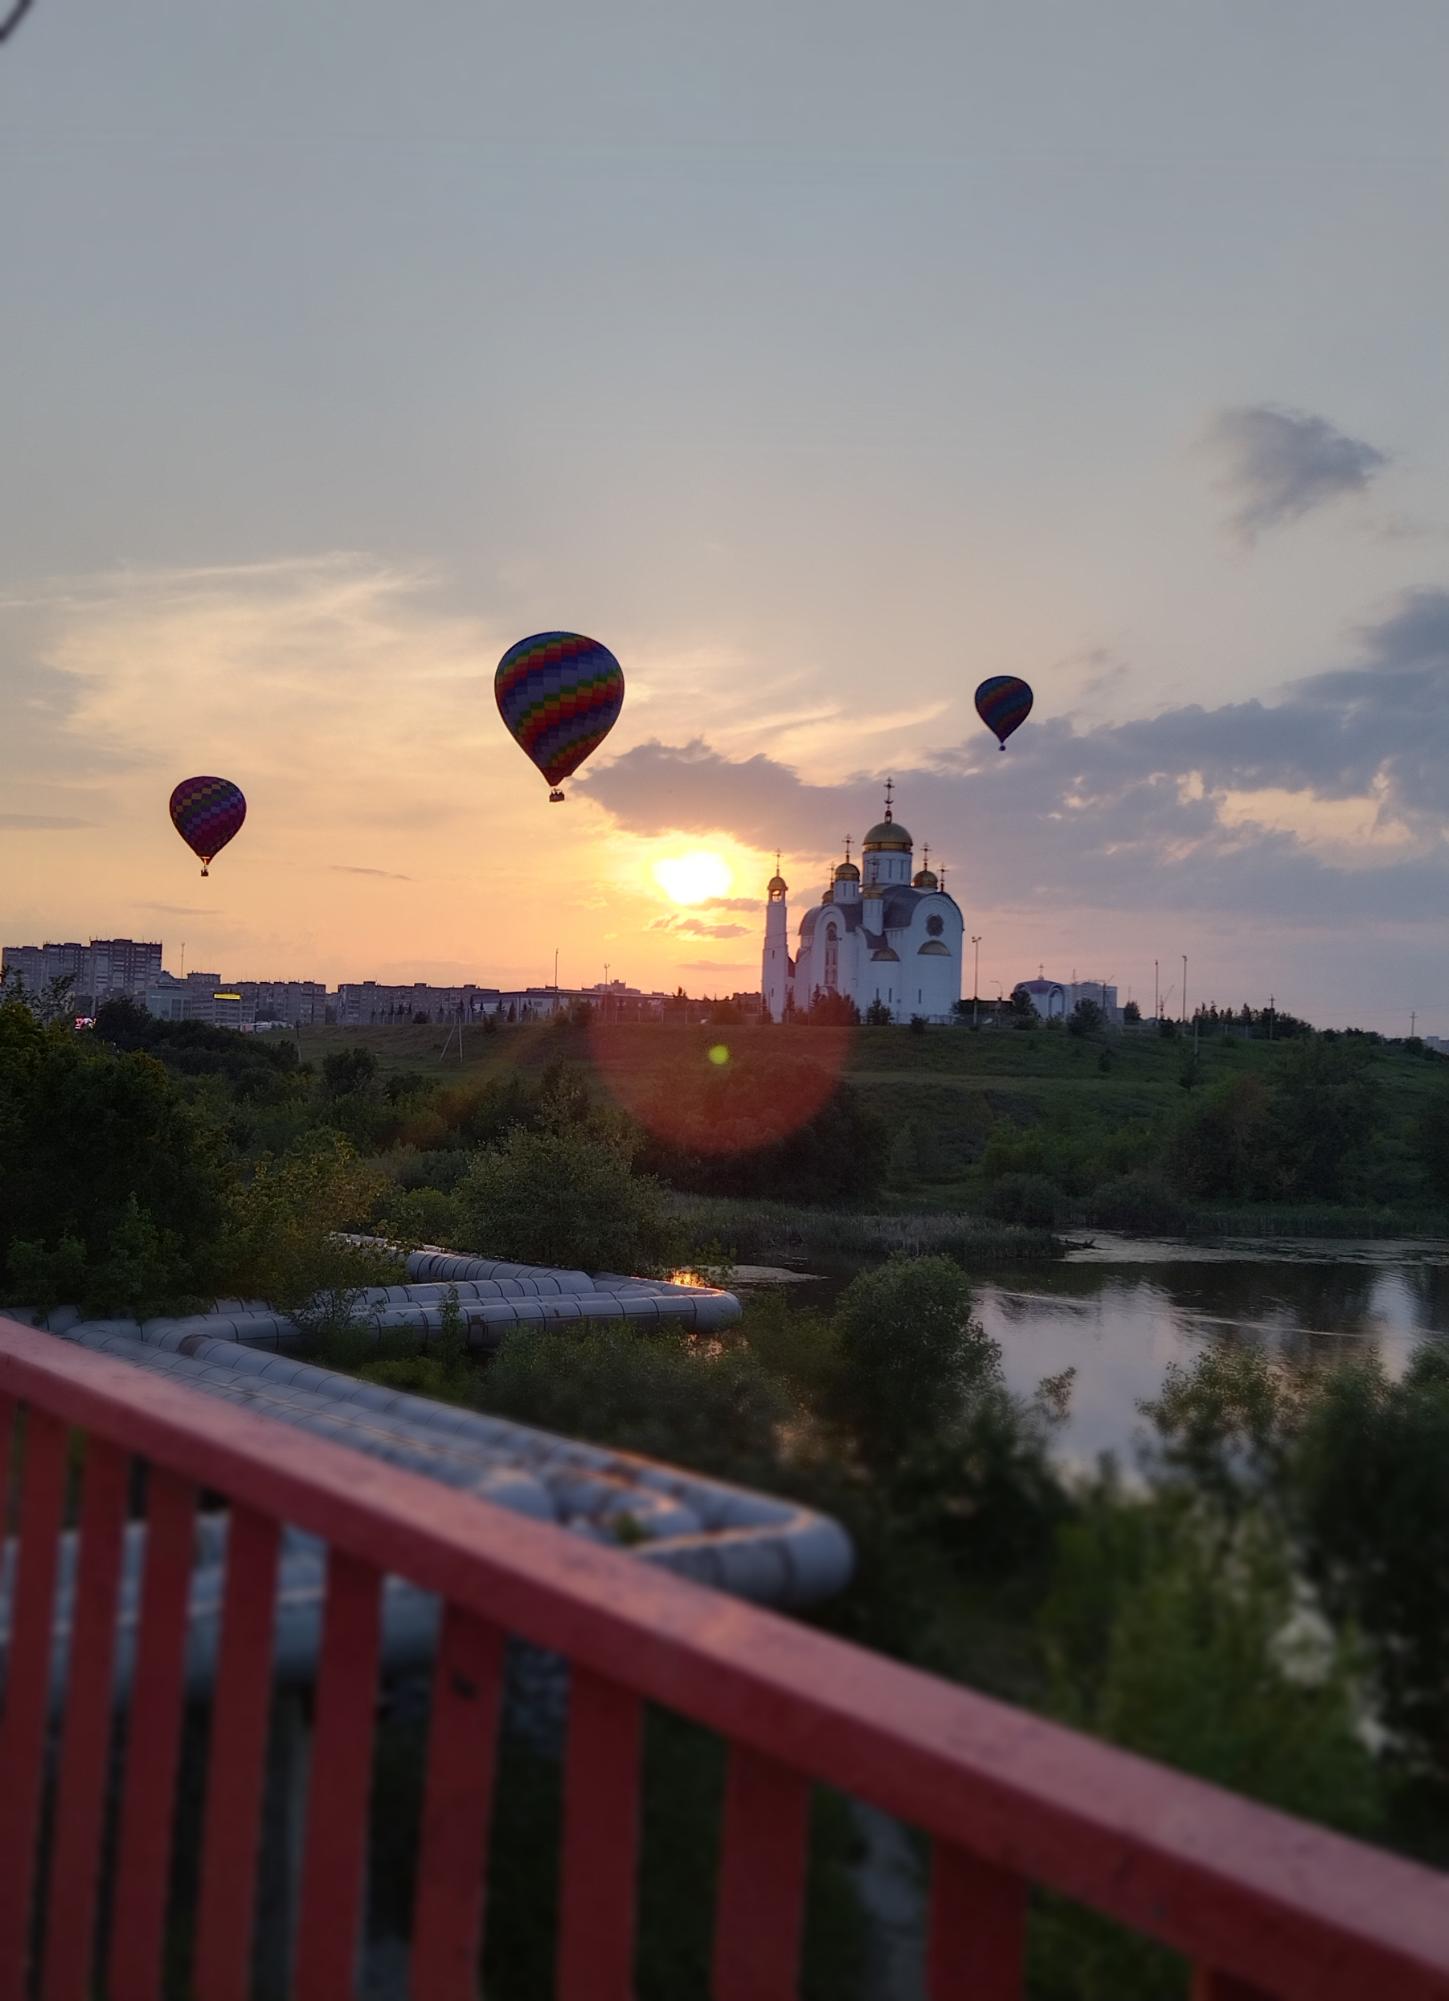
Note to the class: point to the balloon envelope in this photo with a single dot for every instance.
(560, 695)
(1003, 704)
(207, 813)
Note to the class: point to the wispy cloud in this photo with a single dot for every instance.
(1282, 464)
(695, 927)
(46, 822)
(387, 874)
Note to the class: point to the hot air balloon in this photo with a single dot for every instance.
(560, 695)
(207, 812)
(1003, 704)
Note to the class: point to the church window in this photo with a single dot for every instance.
(935, 925)
(832, 959)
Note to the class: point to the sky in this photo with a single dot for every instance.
(819, 359)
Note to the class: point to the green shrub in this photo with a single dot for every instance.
(566, 1197)
(282, 1239)
(908, 1352)
(1165, 1639)
(413, 1216)
(1139, 1202)
(1029, 1200)
(672, 1398)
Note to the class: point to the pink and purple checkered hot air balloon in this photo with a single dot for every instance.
(207, 812)
(1003, 704)
(560, 695)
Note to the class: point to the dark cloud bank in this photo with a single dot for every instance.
(1128, 816)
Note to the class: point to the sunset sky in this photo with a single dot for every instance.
(821, 360)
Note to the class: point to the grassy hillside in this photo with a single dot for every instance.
(965, 1108)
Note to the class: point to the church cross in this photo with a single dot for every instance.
(890, 788)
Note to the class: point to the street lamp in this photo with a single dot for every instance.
(976, 979)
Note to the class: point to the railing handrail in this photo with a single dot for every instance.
(1253, 1892)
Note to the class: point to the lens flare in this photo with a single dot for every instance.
(705, 1097)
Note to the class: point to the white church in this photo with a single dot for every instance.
(880, 932)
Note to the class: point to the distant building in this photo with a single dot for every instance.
(98, 971)
(1054, 1000)
(1048, 997)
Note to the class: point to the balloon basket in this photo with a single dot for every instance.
(554, 797)
(206, 871)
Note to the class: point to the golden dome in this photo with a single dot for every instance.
(776, 886)
(888, 834)
(924, 878)
(847, 872)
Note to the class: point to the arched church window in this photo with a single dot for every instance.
(832, 959)
(935, 925)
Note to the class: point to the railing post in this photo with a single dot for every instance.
(85, 1749)
(760, 1905)
(27, 1689)
(240, 1706)
(329, 1925)
(976, 1947)
(600, 1842)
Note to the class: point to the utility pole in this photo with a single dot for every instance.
(1413, 1017)
(1156, 995)
(1272, 1015)
(976, 980)
(1184, 990)
(555, 972)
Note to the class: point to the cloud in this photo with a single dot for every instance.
(1242, 809)
(1282, 464)
(346, 868)
(182, 909)
(48, 822)
(716, 966)
(695, 927)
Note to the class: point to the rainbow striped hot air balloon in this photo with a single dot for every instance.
(1003, 704)
(207, 813)
(560, 694)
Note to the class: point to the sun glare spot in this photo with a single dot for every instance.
(693, 878)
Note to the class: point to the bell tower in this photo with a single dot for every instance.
(775, 966)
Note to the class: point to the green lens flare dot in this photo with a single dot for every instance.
(719, 1054)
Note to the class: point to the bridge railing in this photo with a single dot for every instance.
(1261, 1904)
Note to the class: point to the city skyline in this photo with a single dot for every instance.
(818, 389)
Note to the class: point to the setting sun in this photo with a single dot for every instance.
(693, 878)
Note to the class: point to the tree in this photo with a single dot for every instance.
(284, 1231)
(878, 1015)
(1087, 1018)
(1131, 1014)
(909, 1352)
(1431, 1143)
(346, 1071)
(565, 1196)
(1020, 1011)
(101, 1157)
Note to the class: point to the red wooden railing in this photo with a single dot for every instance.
(1263, 1905)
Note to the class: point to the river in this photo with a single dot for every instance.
(1119, 1310)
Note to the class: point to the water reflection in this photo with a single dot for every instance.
(1121, 1310)
(1118, 1311)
